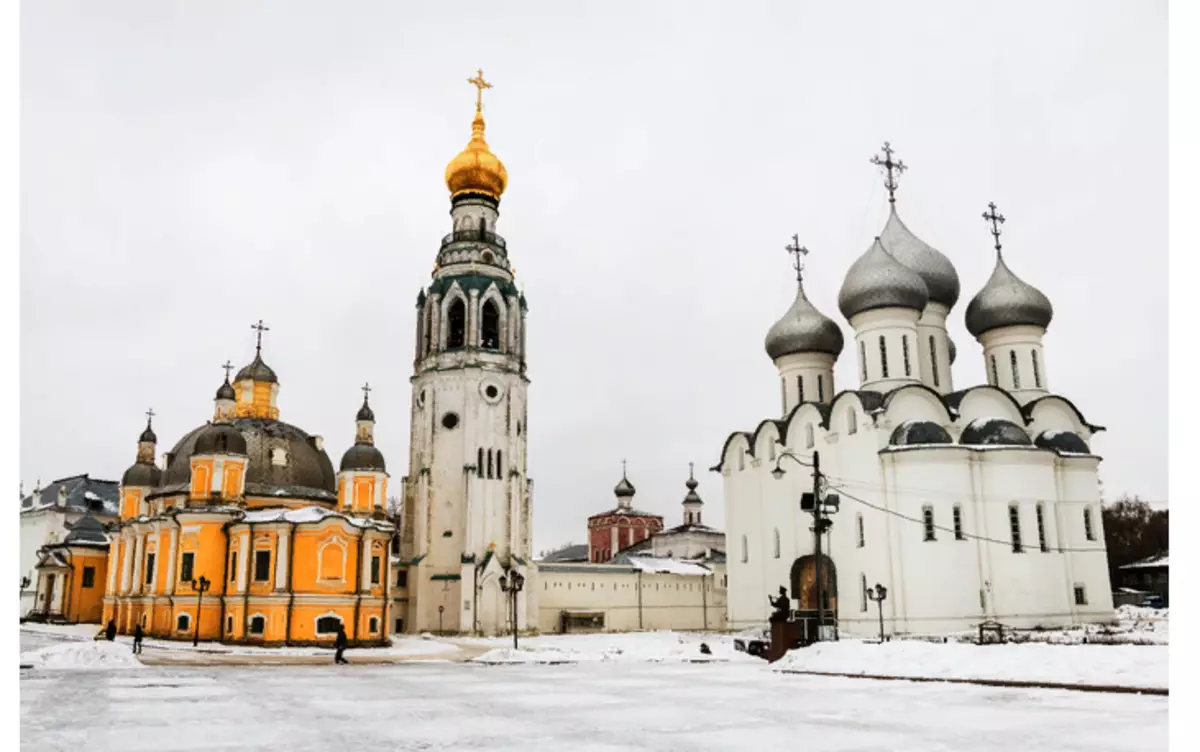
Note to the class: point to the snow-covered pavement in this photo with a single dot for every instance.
(584, 707)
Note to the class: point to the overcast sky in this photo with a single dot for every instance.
(187, 168)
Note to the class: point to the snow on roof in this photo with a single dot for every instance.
(654, 565)
(310, 514)
(1153, 561)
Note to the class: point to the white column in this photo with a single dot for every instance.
(110, 587)
(127, 564)
(172, 553)
(138, 554)
(364, 553)
(244, 563)
(281, 562)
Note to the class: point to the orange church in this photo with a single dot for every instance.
(246, 533)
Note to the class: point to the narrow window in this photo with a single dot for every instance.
(499, 474)
(883, 356)
(262, 566)
(904, 348)
(373, 625)
(783, 393)
(982, 599)
(149, 568)
(1080, 595)
(927, 518)
(800, 389)
(862, 591)
(771, 449)
(457, 324)
(489, 328)
(1041, 523)
(1012, 361)
(820, 387)
(89, 577)
(745, 551)
(185, 567)
(233, 566)
(1014, 524)
(399, 626)
(958, 526)
(229, 624)
(479, 463)
(809, 441)
(995, 373)
(1037, 371)
(933, 359)
(862, 352)
(489, 465)
(258, 624)
(395, 545)
(776, 543)
(862, 537)
(851, 421)
(1087, 525)
(402, 578)
(427, 326)
(375, 569)
(183, 622)
(741, 459)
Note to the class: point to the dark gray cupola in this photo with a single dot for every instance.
(878, 280)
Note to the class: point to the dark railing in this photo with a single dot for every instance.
(478, 235)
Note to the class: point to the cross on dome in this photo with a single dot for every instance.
(897, 167)
(228, 366)
(260, 328)
(996, 219)
(149, 416)
(797, 251)
(480, 85)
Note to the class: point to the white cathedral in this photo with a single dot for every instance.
(968, 505)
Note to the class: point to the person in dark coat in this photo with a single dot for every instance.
(137, 637)
(340, 646)
(110, 632)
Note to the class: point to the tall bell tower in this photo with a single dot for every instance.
(467, 497)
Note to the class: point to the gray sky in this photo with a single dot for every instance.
(187, 168)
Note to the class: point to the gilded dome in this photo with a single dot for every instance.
(1007, 300)
(935, 269)
(878, 280)
(476, 169)
(803, 329)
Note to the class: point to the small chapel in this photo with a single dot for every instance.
(966, 504)
(247, 533)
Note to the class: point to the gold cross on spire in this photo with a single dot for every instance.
(479, 84)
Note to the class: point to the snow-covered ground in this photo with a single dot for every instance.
(82, 656)
(593, 706)
(612, 646)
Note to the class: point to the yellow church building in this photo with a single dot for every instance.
(247, 534)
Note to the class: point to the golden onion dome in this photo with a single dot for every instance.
(476, 169)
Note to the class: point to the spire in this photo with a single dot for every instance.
(996, 219)
(692, 502)
(476, 170)
(1006, 299)
(892, 168)
(226, 397)
(148, 435)
(365, 417)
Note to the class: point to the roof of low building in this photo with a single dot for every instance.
(82, 493)
(1148, 563)
(567, 554)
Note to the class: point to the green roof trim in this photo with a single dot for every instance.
(417, 559)
(519, 560)
(452, 577)
(470, 282)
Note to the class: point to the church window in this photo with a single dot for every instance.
(995, 372)
(183, 622)
(479, 463)
(427, 328)
(1037, 371)
(958, 523)
(232, 566)
(499, 457)
(862, 359)
(904, 347)
(883, 357)
(262, 566)
(399, 626)
(1041, 523)
(862, 592)
(858, 526)
(395, 545)
(279, 456)
(402, 578)
(1080, 595)
(489, 327)
(491, 392)
(376, 569)
(450, 421)
(229, 624)
(799, 389)
(187, 562)
(489, 463)
(783, 393)
(741, 459)
(1014, 525)
(1087, 525)
(933, 359)
(851, 421)
(927, 519)
(149, 568)
(1016, 373)
(776, 543)
(809, 440)
(456, 320)
(745, 551)
(258, 624)
(373, 625)
(820, 388)
(328, 625)
(89, 577)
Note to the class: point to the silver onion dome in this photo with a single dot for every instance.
(1007, 300)
(878, 280)
(936, 271)
(803, 329)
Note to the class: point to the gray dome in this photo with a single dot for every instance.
(1007, 300)
(624, 488)
(365, 412)
(363, 457)
(226, 392)
(878, 280)
(220, 438)
(803, 329)
(142, 474)
(994, 432)
(914, 432)
(148, 435)
(935, 269)
(1062, 441)
(258, 370)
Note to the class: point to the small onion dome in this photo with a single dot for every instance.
(363, 457)
(148, 435)
(1062, 441)
(916, 432)
(994, 432)
(692, 497)
(803, 329)
(142, 474)
(225, 392)
(1006, 300)
(476, 169)
(878, 280)
(220, 438)
(258, 371)
(365, 412)
(936, 271)
(624, 489)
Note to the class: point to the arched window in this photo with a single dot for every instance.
(1087, 524)
(489, 328)
(489, 466)
(183, 622)
(1037, 372)
(745, 550)
(1012, 361)
(883, 356)
(456, 321)
(776, 543)
(328, 625)
(499, 473)
(995, 372)
(862, 358)
(258, 624)
(820, 388)
(373, 625)
(479, 463)
(851, 421)
(933, 359)
(800, 388)
(809, 441)
(904, 348)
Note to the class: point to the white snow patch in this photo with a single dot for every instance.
(636, 647)
(83, 656)
(511, 655)
(656, 565)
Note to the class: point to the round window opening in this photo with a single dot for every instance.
(491, 391)
(449, 420)
(488, 257)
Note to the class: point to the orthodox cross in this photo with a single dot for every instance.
(149, 416)
(996, 219)
(228, 367)
(260, 328)
(366, 388)
(479, 84)
(797, 250)
(898, 167)
(623, 469)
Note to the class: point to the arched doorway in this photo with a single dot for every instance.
(804, 584)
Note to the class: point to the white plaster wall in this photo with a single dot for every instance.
(36, 528)
(1023, 342)
(668, 601)
(895, 326)
(935, 360)
(814, 370)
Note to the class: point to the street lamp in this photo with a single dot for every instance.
(512, 584)
(879, 595)
(199, 586)
(813, 502)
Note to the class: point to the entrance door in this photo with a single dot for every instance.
(804, 584)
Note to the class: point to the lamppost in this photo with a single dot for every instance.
(199, 586)
(879, 595)
(814, 502)
(512, 584)
(441, 610)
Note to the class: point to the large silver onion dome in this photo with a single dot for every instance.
(1007, 300)
(878, 280)
(803, 329)
(935, 269)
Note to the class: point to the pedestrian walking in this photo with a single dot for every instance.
(340, 646)
(110, 632)
(137, 637)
